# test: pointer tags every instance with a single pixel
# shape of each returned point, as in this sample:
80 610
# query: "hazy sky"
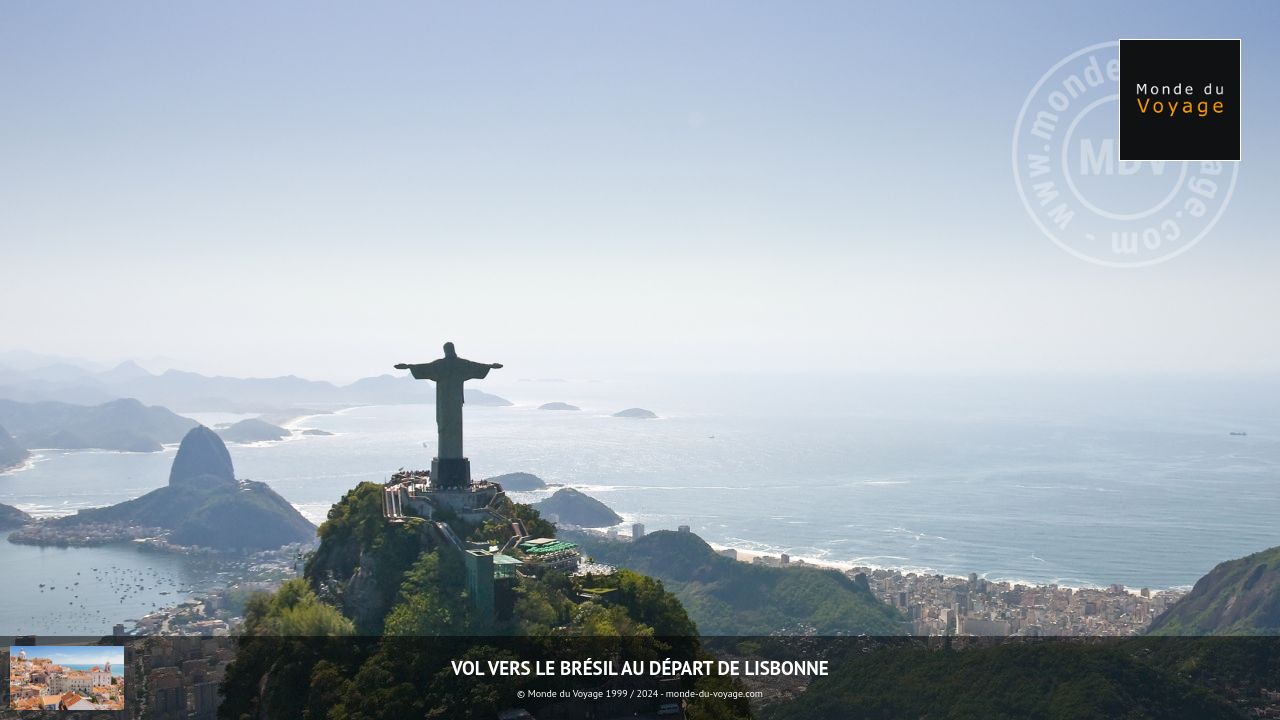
579 188
75 655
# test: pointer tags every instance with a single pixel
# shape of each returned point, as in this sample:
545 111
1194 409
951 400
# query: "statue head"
449 351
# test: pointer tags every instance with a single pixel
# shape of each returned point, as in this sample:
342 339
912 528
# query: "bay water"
1079 481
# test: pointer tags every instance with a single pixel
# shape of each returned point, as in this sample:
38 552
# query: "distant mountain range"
115 425
64 405
187 391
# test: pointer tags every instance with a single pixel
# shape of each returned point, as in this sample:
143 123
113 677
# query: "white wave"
589 488
27 464
41 510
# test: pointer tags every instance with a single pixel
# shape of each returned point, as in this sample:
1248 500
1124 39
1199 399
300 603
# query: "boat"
1239 434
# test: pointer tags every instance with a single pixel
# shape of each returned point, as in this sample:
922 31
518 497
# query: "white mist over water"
1087 482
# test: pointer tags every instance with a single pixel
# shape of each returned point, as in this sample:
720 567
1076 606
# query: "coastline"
311 512
749 556
746 549
845 566
27 463
293 422
936 604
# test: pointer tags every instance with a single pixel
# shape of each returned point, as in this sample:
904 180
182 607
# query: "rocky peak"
202 459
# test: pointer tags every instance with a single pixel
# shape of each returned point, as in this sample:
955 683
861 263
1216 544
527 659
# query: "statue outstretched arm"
424 371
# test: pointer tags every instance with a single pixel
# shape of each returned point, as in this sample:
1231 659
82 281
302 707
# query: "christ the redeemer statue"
450 468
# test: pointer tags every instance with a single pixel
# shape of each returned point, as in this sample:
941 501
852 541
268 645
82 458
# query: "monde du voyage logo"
1124 152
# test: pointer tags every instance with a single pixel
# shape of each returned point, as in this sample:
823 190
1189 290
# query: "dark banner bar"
559 678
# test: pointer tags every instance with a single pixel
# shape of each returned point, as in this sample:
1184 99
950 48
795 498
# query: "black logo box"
1185 67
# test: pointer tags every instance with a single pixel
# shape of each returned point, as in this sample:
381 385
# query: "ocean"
116 670
1083 482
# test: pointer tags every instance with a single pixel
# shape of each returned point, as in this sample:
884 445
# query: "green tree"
294 611
432 599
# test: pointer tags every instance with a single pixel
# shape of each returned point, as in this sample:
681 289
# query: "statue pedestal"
450 472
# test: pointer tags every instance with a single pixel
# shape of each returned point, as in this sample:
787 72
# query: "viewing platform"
410 493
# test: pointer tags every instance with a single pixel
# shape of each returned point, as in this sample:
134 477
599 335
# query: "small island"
519 481
558 406
251 431
638 413
315 432
577 508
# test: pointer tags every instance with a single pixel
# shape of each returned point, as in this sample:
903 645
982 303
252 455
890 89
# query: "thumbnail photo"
53 677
